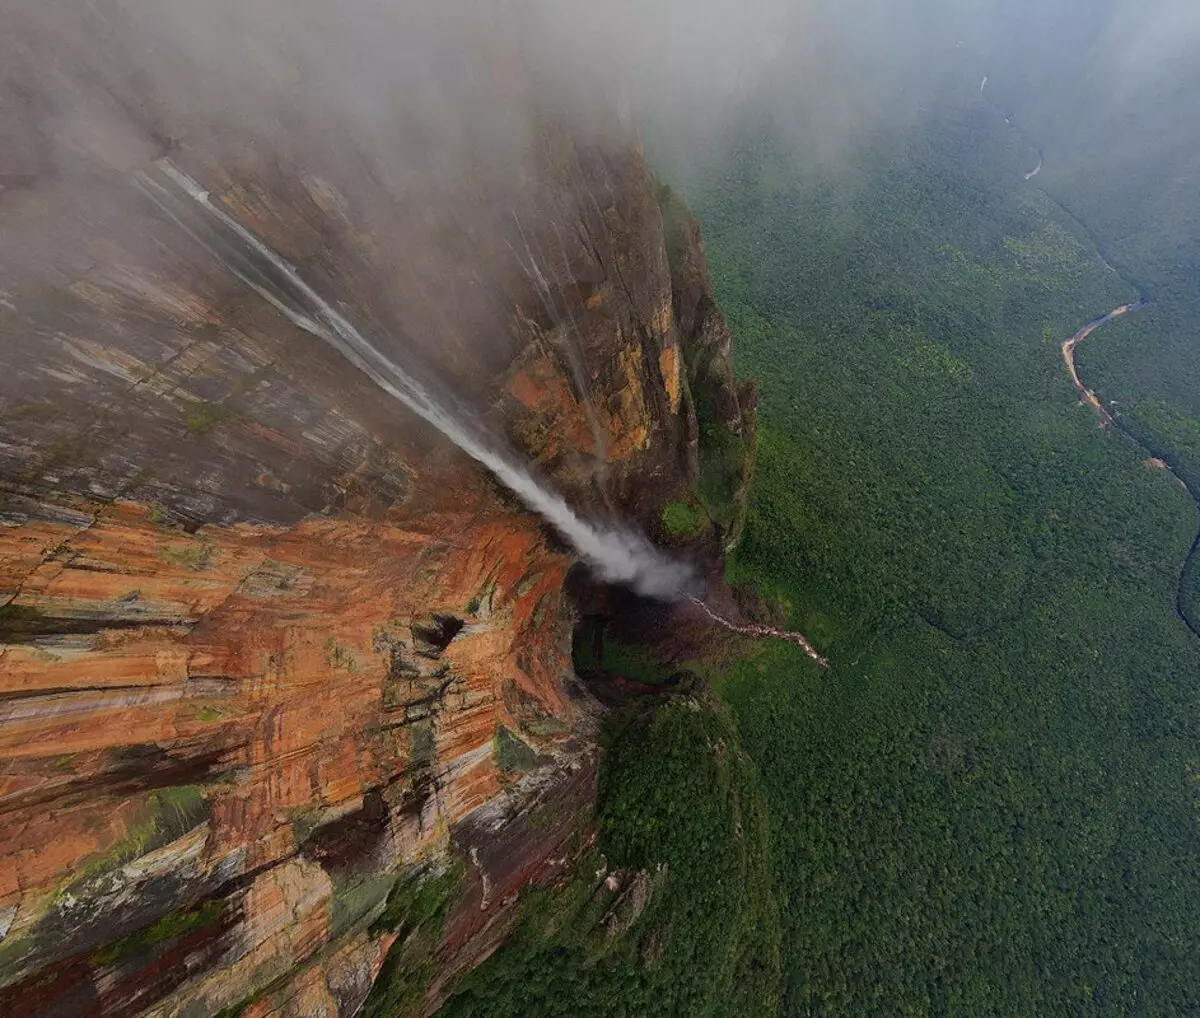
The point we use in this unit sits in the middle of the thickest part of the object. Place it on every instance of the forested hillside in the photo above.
(987, 806)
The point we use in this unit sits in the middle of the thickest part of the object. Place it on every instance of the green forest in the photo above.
(688, 924)
(988, 805)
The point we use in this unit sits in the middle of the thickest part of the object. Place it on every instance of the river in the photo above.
(1187, 614)
(1182, 606)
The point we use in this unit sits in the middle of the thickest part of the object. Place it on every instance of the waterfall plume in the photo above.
(616, 553)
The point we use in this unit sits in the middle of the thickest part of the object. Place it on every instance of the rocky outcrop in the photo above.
(275, 658)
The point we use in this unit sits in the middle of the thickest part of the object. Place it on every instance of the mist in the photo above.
(424, 91)
(394, 101)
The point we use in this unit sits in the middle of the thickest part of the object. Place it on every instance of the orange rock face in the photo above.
(285, 672)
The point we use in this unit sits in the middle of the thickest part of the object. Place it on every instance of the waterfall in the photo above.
(616, 553)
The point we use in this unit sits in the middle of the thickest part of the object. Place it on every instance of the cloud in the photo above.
(459, 77)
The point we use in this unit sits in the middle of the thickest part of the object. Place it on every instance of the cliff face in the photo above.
(273, 654)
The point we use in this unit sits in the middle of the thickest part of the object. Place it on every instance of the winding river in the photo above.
(758, 631)
(1160, 458)
(1068, 356)
(1183, 608)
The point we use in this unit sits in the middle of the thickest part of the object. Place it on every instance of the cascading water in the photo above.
(617, 554)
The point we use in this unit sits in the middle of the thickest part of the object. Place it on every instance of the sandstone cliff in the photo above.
(275, 658)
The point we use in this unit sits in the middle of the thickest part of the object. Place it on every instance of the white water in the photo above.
(616, 554)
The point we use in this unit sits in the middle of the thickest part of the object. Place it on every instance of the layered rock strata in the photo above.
(270, 647)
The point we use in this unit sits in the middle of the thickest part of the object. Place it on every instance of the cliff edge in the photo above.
(283, 673)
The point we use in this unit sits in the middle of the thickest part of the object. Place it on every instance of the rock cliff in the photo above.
(276, 660)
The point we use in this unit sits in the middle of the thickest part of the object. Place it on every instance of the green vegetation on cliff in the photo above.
(671, 912)
(175, 924)
(415, 911)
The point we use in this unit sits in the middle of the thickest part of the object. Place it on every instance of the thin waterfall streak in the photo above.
(158, 195)
(575, 357)
(618, 555)
(542, 290)
(534, 276)
(570, 350)
(579, 179)
(539, 279)
(581, 182)
(573, 352)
